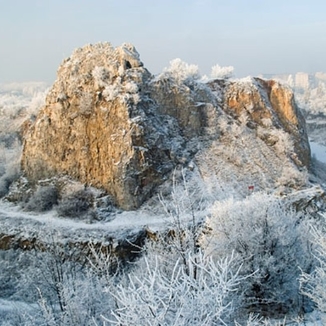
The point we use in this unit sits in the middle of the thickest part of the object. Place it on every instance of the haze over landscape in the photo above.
(253, 36)
(162, 163)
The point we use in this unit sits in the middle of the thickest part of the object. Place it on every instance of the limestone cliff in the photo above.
(99, 127)
(269, 102)
(109, 123)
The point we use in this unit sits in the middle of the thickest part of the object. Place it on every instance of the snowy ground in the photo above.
(15, 221)
(26, 225)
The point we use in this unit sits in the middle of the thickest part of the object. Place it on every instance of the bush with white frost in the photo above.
(131, 87)
(313, 284)
(181, 71)
(284, 143)
(245, 258)
(76, 204)
(100, 75)
(222, 72)
(271, 240)
(9, 167)
(43, 199)
(18, 102)
(11, 175)
(62, 286)
(111, 92)
(153, 298)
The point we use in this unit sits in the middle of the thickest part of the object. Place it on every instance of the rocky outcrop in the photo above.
(109, 123)
(192, 104)
(99, 127)
(269, 103)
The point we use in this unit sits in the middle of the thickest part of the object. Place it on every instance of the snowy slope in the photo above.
(26, 225)
(248, 169)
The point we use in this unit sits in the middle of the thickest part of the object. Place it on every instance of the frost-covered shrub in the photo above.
(271, 239)
(75, 204)
(181, 71)
(111, 92)
(291, 177)
(10, 274)
(59, 284)
(150, 297)
(313, 284)
(131, 87)
(19, 99)
(10, 150)
(284, 142)
(44, 198)
(100, 75)
(222, 72)
(37, 101)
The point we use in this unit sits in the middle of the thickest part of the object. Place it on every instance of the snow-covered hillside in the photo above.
(230, 229)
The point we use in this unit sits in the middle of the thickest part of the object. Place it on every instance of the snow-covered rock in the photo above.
(109, 123)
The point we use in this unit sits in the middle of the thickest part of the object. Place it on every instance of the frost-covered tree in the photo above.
(313, 284)
(63, 287)
(111, 92)
(183, 209)
(270, 238)
(150, 297)
(181, 71)
(222, 72)
(9, 164)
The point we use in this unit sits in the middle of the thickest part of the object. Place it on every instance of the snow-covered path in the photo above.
(15, 221)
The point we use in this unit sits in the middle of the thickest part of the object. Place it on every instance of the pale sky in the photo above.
(254, 36)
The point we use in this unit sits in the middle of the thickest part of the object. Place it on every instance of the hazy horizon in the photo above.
(254, 37)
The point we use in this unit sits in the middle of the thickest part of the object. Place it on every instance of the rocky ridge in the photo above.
(108, 122)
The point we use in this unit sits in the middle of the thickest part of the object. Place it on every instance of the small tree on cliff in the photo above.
(222, 72)
(181, 71)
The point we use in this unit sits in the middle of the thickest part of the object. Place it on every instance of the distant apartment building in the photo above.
(301, 81)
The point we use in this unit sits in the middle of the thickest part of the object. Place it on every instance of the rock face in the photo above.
(269, 102)
(99, 127)
(109, 123)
